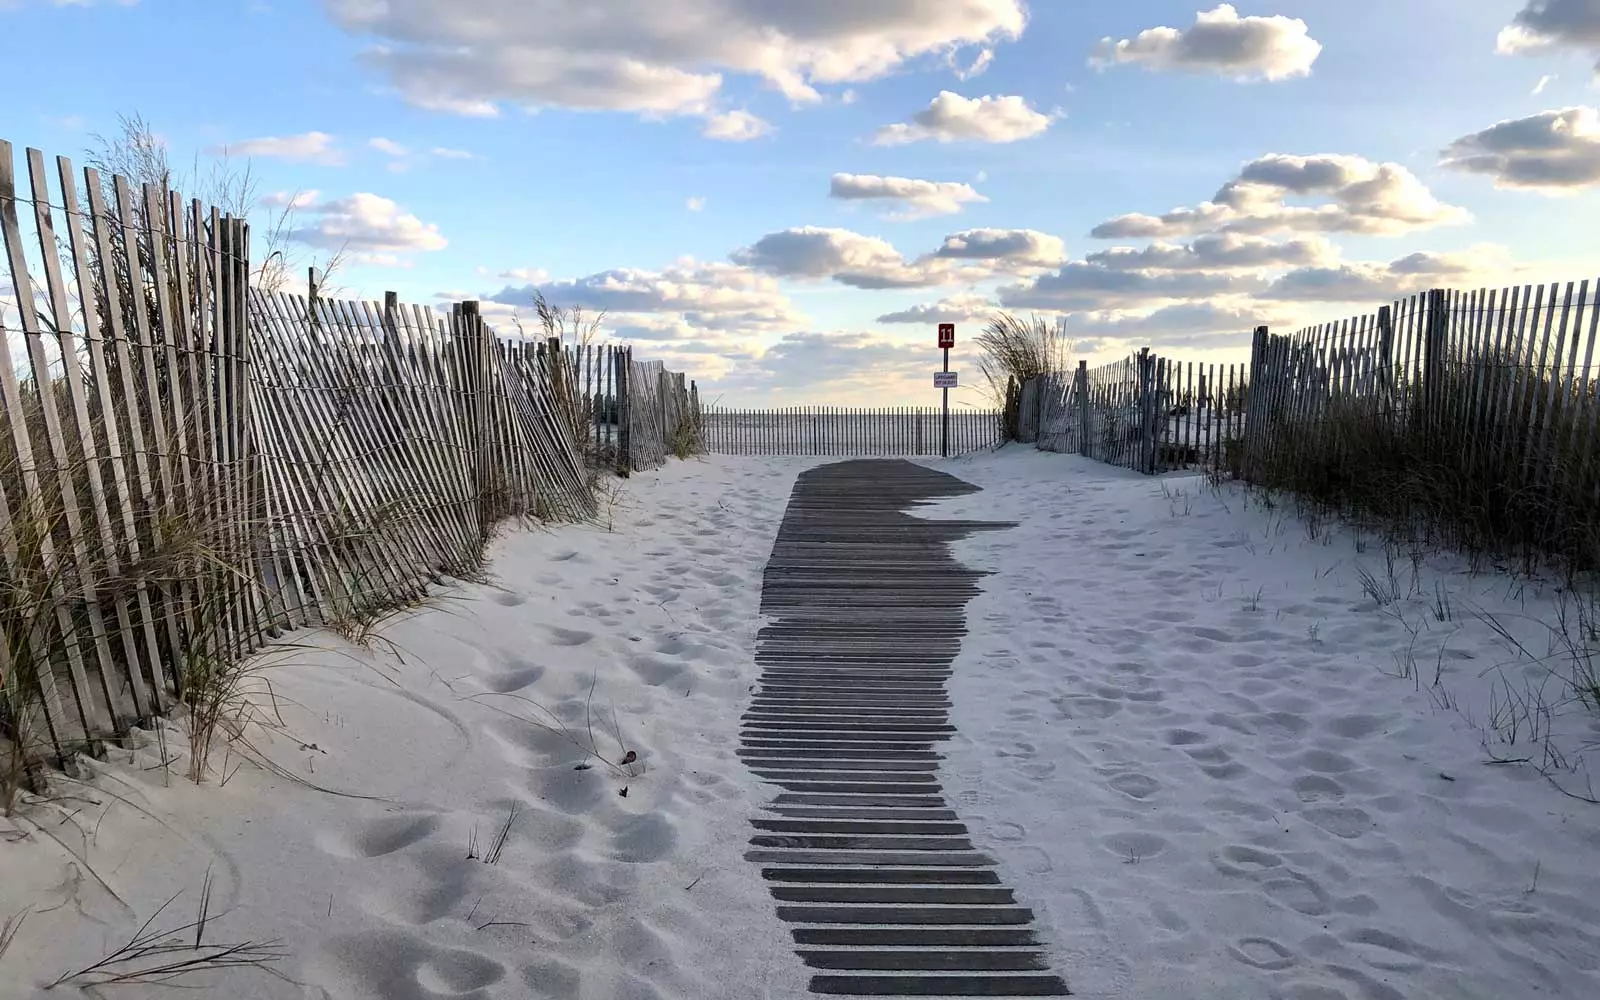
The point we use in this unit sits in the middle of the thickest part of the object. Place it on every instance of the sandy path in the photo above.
(595, 895)
(1174, 729)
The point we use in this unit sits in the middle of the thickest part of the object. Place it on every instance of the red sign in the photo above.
(947, 335)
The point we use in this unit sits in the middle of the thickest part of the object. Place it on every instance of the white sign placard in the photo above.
(944, 380)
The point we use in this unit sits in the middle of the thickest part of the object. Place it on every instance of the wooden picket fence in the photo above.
(190, 466)
(1146, 412)
(628, 414)
(906, 431)
(1475, 413)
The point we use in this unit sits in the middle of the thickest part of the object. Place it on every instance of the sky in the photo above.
(783, 199)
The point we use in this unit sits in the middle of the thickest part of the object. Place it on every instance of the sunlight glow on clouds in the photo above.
(1543, 25)
(918, 198)
(952, 118)
(652, 56)
(1380, 199)
(1220, 41)
(1553, 151)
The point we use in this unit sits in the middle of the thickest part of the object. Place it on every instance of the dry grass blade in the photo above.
(499, 844)
(164, 956)
(10, 929)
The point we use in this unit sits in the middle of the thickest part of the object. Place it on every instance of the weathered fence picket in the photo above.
(189, 465)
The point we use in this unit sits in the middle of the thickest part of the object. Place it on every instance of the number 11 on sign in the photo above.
(943, 381)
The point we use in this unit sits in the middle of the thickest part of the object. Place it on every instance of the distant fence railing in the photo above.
(190, 466)
(1146, 412)
(847, 431)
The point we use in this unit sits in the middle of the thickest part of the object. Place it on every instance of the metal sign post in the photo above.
(947, 340)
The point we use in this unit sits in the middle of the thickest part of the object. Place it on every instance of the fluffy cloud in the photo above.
(1364, 281)
(1218, 252)
(1222, 42)
(683, 300)
(1008, 246)
(955, 309)
(1080, 286)
(1552, 151)
(846, 363)
(372, 227)
(652, 56)
(1363, 197)
(918, 198)
(1197, 325)
(735, 126)
(951, 118)
(847, 257)
(308, 147)
(1550, 24)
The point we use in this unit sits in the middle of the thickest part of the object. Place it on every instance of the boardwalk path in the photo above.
(863, 853)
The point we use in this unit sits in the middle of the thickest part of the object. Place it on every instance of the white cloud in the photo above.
(735, 126)
(956, 309)
(1081, 286)
(308, 147)
(847, 363)
(1363, 197)
(695, 204)
(693, 298)
(1544, 81)
(1365, 281)
(1553, 151)
(1216, 324)
(1222, 42)
(1218, 252)
(295, 200)
(1543, 25)
(951, 118)
(1011, 246)
(368, 225)
(844, 256)
(387, 146)
(526, 275)
(662, 57)
(445, 153)
(919, 198)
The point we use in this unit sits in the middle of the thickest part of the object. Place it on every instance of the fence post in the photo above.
(620, 359)
(1386, 360)
(1080, 384)
(1255, 412)
(1144, 392)
(1435, 345)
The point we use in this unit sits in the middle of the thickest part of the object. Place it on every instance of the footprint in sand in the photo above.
(1262, 953)
(1300, 893)
(1135, 845)
(379, 837)
(569, 636)
(1135, 785)
(1245, 862)
(395, 965)
(518, 674)
(510, 599)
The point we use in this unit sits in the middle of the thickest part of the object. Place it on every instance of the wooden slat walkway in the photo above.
(865, 856)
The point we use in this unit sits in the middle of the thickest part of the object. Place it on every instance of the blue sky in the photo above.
(689, 148)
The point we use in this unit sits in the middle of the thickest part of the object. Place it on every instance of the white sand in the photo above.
(1203, 793)
(376, 899)
(1209, 794)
